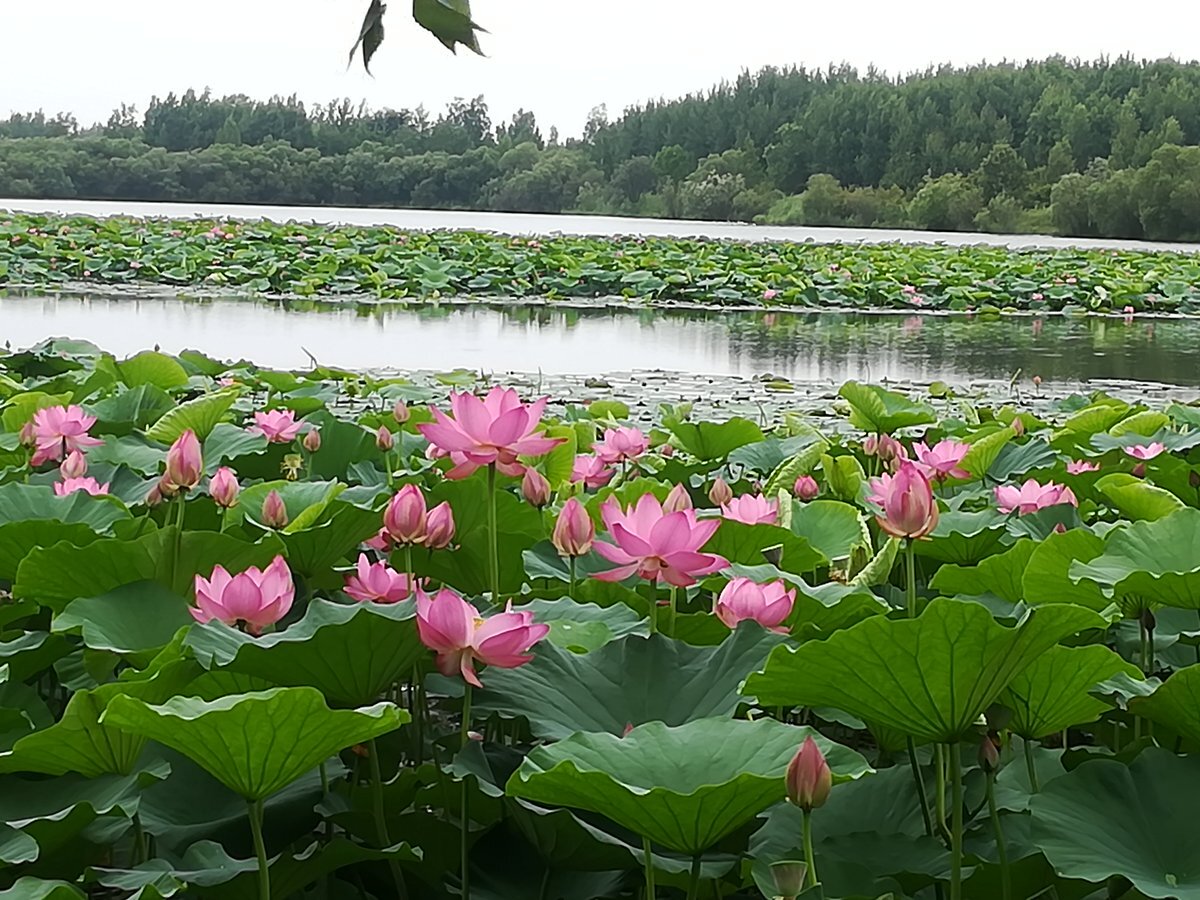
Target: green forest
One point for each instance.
(1105, 148)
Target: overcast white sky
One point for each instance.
(557, 57)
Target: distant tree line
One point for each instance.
(1107, 148)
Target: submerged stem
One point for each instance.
(956, 822)
(1001, 844)
(1031, 768)
(466, 797)
(649, 866)
(693, 892)
(381, 829)
(260, 849)
(920, 781)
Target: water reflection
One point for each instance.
(802, 347)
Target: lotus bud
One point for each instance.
(155, 497)
(167, 488)
(720, 493)
(1018, 426)
(667, 451)
(871, 444)
(1139, 470)
(384, 440)
(74, 466)
(535, 488)
(27, 435)
(677, 500)
(809, 779)
(806, 488)
(312, 440)
(404, 517)
(627, 730)
(400, 412)
(223, 487)
(574, 531)
(439, 527)
(788, 876)
(185, 464)
(1037, 380)
(989, 756)
(1147, 619)
(274, 512)
(1194, 478)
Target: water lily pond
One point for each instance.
(320, 633)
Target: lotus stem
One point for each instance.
(381, 829)
(693, 891)
(939, 800)
(653, 595)
(466, 797)
(260, 849)
(545, 887)
(139, 841)
(1001, 844)
(649, 866)
(571, 563)
(324, 796)
(1030, 767)
(911, 592)
(177, 547)
(810, 875)
(920, 781)
(494, 546)
(956, 822)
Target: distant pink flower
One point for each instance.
(767, 604)
(279, 425)
(591, 470)
(377, 582)
(258, 597)
(622, 444)
(57, 430)
(453, 628)
(1079, 466)
(71, 485)
(1146, 452)
(751, 509)
(770, 294)
(492, 431)
(1032, 496)
(906, 502)
(655, 544)
(884, 446)
(1036, 296)
(942, 460)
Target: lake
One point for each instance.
(535, 223)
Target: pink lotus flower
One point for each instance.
(908, 508)
(574, 530)
(886, 447)
(74, 466)
(377, 582)
(1031, 496)
(809, 779)
(384, 440)
(767, 604)
(591, 471)
(656, 544)
(57, 430)
(258, 597)
(535, 488)
(453, 628)
(942, 460)
(311, 440)
(492, 431)
(274, 511)
(185, 464)
(71, 485)
(806, 488)
(752, 509)
(381, 541)
(770, 294)
(404, 518)
(621, 445)
(400, 412)
(279, 425)
(1079, 466)
(1146, 452)
(439, 527)
(223, 487)
(720, 493)
(678, 499)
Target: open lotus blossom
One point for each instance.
(574, 530)
(941, 461)
(678, 499)
(71, 485)
(57, 430)
(620, 445)
(453, 628)
(256, 597)
(906, 502)
(1032, 496)
(223, 487)
(1146, 452)
(806, 488)
(377, 582)
(591, 471)
(279, 425)
(185, 464)
(74, 466)
(767, 604)
(490, 431)
(752, 509)
(655, 544)
(1079, 466)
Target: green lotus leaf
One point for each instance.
(1000, 574)
(1019, 459)
(583, 627)
(227, 442)
(29, 888)
(305, 501)
(742, 543)
(984, 451)
(255, 744)
(833, 528)
(1055, 691)
(200, 415)
(1136, 499)
(1105, 818)
(38, 502)
(1046, 578)
(965, 538)
(561, 692)
(655, 783)
(349, 652)
(1175, 704)
(152, 368)
(714, 440)
(930, 677)
(1158, 560)
(132, 618)
(331, 539)
(876, 409)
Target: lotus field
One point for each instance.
(315, 634)
(306, 260)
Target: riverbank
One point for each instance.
(306, 259)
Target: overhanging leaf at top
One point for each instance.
(447, 20)
(930, 677)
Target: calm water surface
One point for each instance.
(537, 223)
(556, 340)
